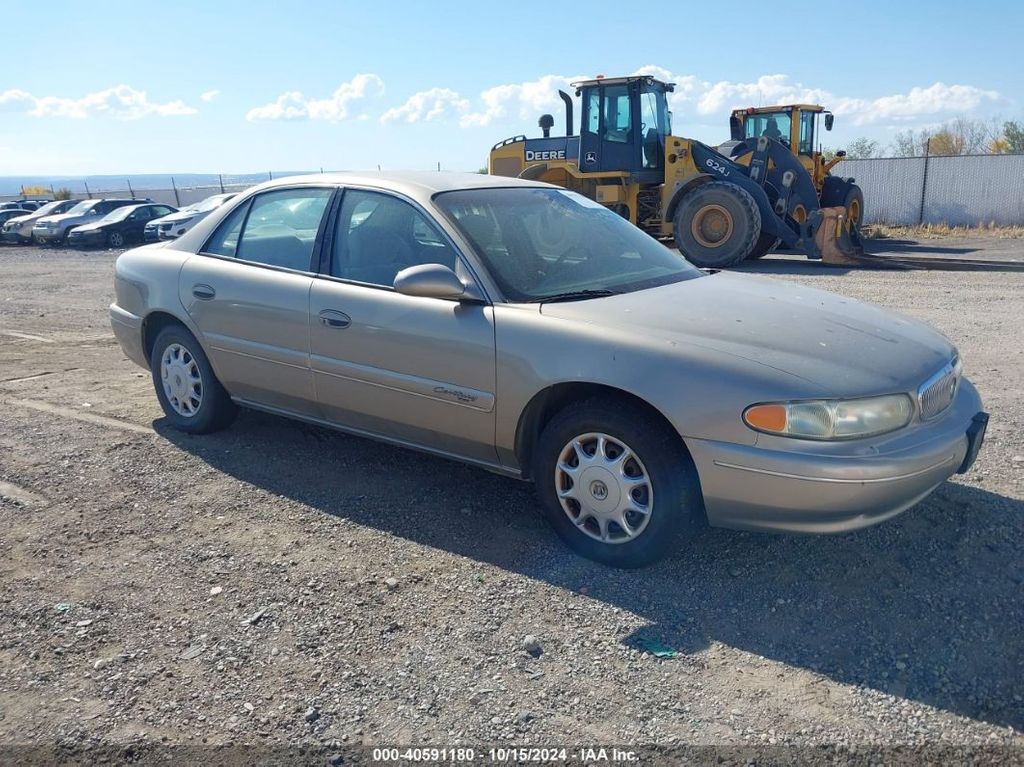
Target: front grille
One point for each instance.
(936, 394)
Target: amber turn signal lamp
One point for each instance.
(766, 417)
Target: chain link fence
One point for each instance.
(975, 190)
(972, 190)
(179, 196)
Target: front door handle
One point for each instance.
(332, 318)
(203, 292)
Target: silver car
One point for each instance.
(525, 329)
(19, 229)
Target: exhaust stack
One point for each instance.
(568, 112)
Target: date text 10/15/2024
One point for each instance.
(503, 754)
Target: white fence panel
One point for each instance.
(970, 191)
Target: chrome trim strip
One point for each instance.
(404, 383)
(837, 480)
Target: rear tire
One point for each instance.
(633, 466)
(716, 225)
(190, 394)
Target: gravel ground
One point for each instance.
(278, 584)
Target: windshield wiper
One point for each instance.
(575, 295)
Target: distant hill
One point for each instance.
(12, 185)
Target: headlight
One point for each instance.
(833, 419)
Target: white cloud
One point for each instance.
(14, 96)
(519, 100)
(426, 106)
(936, 99)
(122, 102)
(209, 95)
(697, 100)
(294, 105)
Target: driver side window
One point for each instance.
(377, 236)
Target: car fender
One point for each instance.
(146, 284)
(701, 391)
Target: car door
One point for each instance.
(248, 293)
(133, 225)
(416, 370)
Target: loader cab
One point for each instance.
(624, 124)
(794, 125)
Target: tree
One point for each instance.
(1013, 135)
(946, 143)
(909, 144)
(999, 146)
(863, 148)
(62, 194)
(959, 136)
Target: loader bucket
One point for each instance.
(837, 239)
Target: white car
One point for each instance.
(176, 224)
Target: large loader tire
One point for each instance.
(854, 204)
(716, 225)
(765, 244)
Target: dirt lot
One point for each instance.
(278, 583)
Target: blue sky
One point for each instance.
(237, 87)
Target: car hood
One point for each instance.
(92, 226)
(846, 347)
(177, 218)
(66, 218)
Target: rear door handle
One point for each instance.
(203, 292)
(332, 318)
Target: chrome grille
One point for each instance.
(936, 394)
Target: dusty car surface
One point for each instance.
(525, 329)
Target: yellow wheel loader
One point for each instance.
(719, 211)
(796, 126)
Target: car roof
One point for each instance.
(412, 183)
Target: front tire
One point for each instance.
(716, 225)
(191, 396)
(765, 244)
(616, 482)
(854, 204)
(115, 240)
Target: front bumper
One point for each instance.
(172, 232)
(90, 238)
(127, 329)
(833, 487)
(48, 236)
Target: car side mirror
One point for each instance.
(431, 281)
(829, 119)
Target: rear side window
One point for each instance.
(281, 227)
(225, 240)
(276, 228)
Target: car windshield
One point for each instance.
(48, 208)
(542, 243)
(83, 207)
(118, 214)
(210, 203)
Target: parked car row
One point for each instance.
(111, 222)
